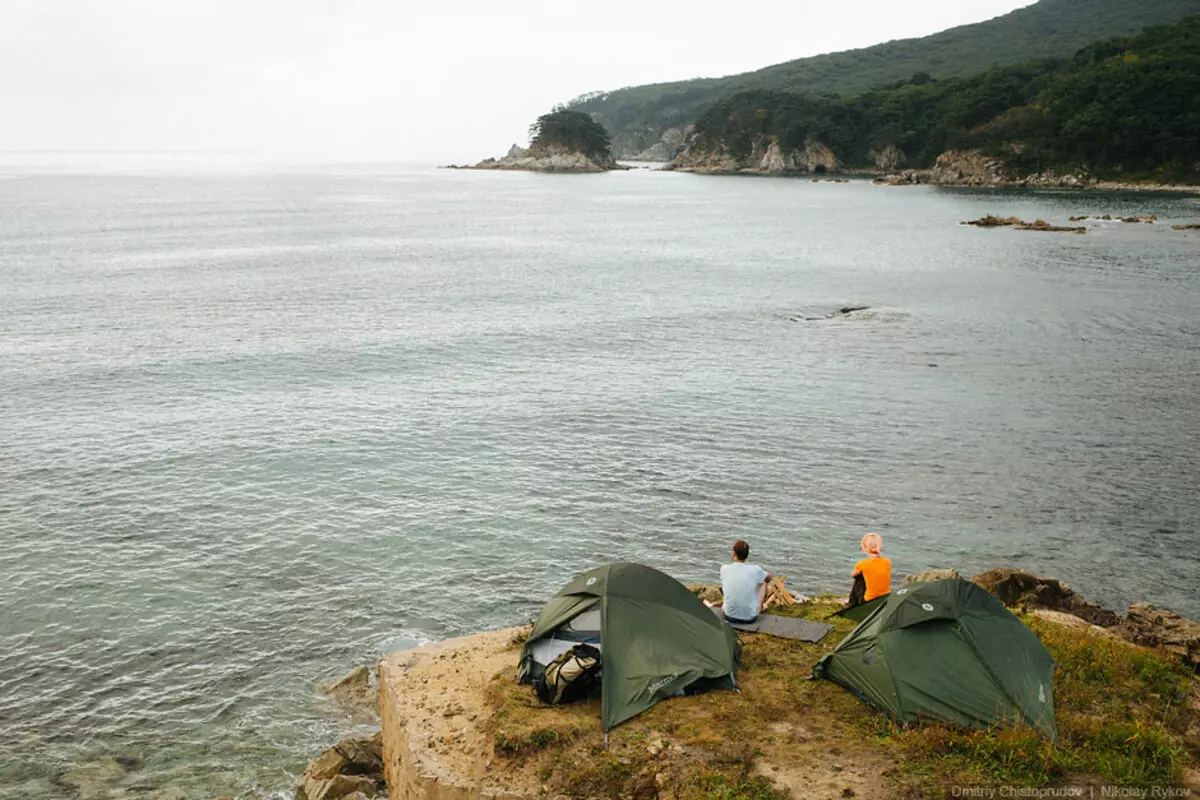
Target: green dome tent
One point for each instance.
(948, 651)
(656, 638)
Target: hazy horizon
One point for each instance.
(361, 81)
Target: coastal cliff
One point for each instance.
(640, 117)
(764, 156)
(1120, 111)
(455, 724)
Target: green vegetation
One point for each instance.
(570, 130)
(1124, 107)
(1126, 716)
(637, 116)
(718, 786)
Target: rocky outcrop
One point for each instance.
(708, 592)
(767, 156)
(1020, 589)
(886, 158)
(1016, 222)
(1148, 219)
(431, 702)
(1157, 627)
(667, 147)
(353, 765)
(354, 689)
(815, 157)
(1143, 625)
(973, 168)
(548, 159)
(933, 575)
(909, 177)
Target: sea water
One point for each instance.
(260, 426)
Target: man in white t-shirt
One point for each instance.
(744, 586)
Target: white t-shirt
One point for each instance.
(739, 583)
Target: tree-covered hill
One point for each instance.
(1123, 107)
(570, 130)
(638, 116)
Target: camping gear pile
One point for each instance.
(948, 651)
(655, 639)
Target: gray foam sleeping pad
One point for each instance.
(785, 627)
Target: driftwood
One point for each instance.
(778, 595)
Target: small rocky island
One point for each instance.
(561, 141)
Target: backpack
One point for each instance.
(858, 593)
(572, 676)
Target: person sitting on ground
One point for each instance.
(744, 587)
(875, 571)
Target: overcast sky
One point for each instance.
(386, 79)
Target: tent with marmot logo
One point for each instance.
(947, 651)
(656, 639)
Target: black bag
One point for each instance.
(858, 593)
(572, 676)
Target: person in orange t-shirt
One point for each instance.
(875, 569)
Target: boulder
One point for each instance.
(355, 689)
(933, 575)
(1157, 627)
(337, 787)
(353, 764)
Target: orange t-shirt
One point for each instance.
(878, 574)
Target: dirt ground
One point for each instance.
(782, 735)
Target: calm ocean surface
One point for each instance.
(258, 428)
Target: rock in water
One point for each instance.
(355, 764)
(1158, 627)
(337, 787)
(94, 780)
(933, 575)
(355, 689)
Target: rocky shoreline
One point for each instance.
(974, 170)
(433, 702)
(545, 159)
(953, 168)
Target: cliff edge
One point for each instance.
(457, 726)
